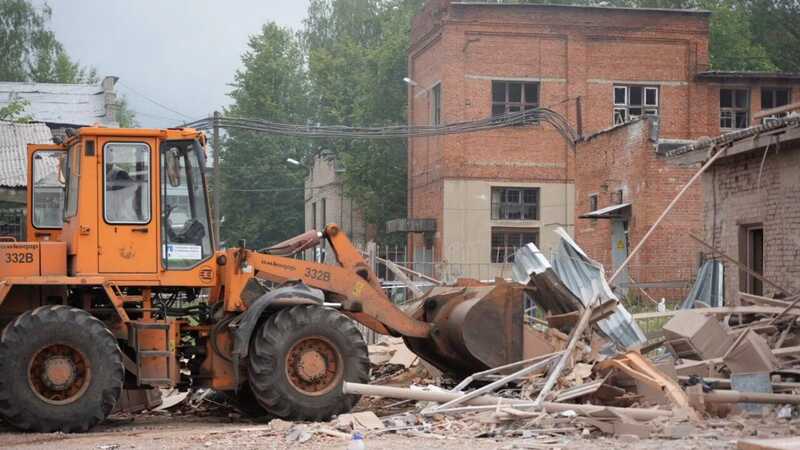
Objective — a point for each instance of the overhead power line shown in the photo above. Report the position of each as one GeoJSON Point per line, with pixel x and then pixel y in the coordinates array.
{"type": "Point", "coordinates": [155, 102]}
{"type": "Point", "coordinates": [528, 117]}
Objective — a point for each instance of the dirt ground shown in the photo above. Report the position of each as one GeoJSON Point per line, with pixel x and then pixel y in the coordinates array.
{"type": "Point", "coordinates": [152, 431]}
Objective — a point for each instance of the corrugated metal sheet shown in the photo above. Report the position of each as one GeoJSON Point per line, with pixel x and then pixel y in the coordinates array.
{"type": "Point", "coordinates": [69, 104]}
{"type": "Point", "coordinates": [577, 276]}
{"type": "Point", "coordinates": [14, 138]}
{"type": "Point", "coordinates": [708, 288]}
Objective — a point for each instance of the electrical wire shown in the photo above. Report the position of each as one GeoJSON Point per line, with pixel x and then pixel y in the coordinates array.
{"type": "Point", "coordinates": [126, 86]}
{"type": "Point", "coordinates": [521, 118]}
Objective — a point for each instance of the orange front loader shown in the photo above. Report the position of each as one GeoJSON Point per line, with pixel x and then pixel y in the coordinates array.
{"type": "Point", "coordinates": [118, 287]}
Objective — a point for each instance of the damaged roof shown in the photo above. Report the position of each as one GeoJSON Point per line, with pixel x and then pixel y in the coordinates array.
{"type": "Point", "coordinates": [748, 138]}
{"type": "Point", "coordinates": [589, 7]}
{"type": "Point", "coordinates": [63, 104]}
{"type": "Point", "coordinates": [14, 139]}
{"type": "Point", "coordinates": [747, 75]}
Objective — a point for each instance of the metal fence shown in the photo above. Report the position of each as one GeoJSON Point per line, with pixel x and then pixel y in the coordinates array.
{"type": "Point", "coordinates": [641, 291]}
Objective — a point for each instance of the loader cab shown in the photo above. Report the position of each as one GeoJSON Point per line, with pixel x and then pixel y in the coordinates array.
{"type": "Point", "coordinates": [135, 206]}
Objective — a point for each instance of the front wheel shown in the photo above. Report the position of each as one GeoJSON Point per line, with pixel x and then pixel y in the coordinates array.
{"type": "Point", "coordinates": [299, 360]}
{"type": "Point", "coordinates": [60, 370]}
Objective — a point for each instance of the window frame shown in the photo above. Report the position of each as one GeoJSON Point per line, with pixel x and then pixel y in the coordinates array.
{"type": "Point", "coordinates": [773, 90]}
{"type": "Point", "coordinates": [163, 201]}
{"type": "Point", "coordinates": [594, 202]}
{"type": "Point", "coordinates": [508, 257]}
{"type": "Point", "coordinates": [33, 188]}
{"type": "Point", "coordinates": [735, 109]}
{"type": "Point", "coordinates": [623, 110]}
{"type": "Point", "coordinates": [436, 105]}
{"type": "Point", "coordinates": [522, 104]}
{"type": "Point", "coordinates": [149, 182]}
{"type": "Point", "coordinates": [73, 172]}
{"type": "Point", "coordinates": [521, 190]}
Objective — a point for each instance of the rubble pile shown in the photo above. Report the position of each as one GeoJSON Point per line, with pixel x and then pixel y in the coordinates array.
{"type": "Point", "coordinates": [709, 371]}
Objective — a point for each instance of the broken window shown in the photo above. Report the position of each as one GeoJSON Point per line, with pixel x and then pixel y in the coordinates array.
{"type": "Point", "coordinates": [734, 108]}
{"type": "Point", "coordinates": [314, 215]}
{"type": "Point", "coordinates": [635, 101]}
{"type": "Point", "coordinates": [514, 96]}
{"type": "Point", "coordinates": [593, 202]}
{"type": "Point", "coordinates": [775, 98]}
{"type": "Point", "coordinates": [506, 241]}
{"type": "Point", "coordinates": [323, 213]}
{"type": "Point", "coordinates": [436, 105]}
{"type": "Point", "coordinates": [515, 203]}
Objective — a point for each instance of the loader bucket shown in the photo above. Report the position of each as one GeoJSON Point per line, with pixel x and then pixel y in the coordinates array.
{"type": "Point", "coordinates": [474, 327]}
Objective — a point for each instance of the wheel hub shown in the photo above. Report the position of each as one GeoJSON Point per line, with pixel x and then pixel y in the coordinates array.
{"type": "Point", "coordinates": [311, 367]}
{"type": "Point", "coordinates": [59, 374]}
{"type": "Point", "coordinates": [314, 366]}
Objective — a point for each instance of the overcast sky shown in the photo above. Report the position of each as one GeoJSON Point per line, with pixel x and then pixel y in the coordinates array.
{"type": "Point", "coordinates": [180, 53]}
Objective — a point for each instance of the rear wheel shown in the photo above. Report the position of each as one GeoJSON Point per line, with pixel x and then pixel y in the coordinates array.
{"type": "Point", "coordinates": [299, 359]}
{"type": "Point", "coordinates": [60, 370]}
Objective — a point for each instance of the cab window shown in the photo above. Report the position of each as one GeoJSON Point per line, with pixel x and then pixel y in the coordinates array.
{"type": "Point", "coordinates": [48, 183]}
{"type": "Point", "coordinates": [127, 182]}
{"type": "Point", "coordinates": [186, 235]}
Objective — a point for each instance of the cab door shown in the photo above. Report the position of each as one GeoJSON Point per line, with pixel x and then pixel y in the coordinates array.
{"type": "Point", "coordinates": [45, 205]}
{"type": "Point", "coordinates": [128, 226]}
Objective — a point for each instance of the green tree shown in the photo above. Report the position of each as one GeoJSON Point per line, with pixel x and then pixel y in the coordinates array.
{"type": "Point", "coordinates": [357, 58]}
{"type": "Point", "coordinates": [775, 24]}
{"type": "Point", "coordinates": [262, 196]}
{"type": "Point", "coordinates": [30, 51]}
{"type": "Point", "coordinates": [123, 114]}
{"type": "Point", "coordinates": [14, 111]}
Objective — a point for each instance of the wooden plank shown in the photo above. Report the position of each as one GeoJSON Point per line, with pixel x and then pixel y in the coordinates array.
{"type": "Point", "coordinates": [762, 301]}
{"type": "Point", "coordinates": [721, 311]}
{"type": "Point", "coordinates": [789, 443]}
{"type": "Point", "coordinates": [773, 111]}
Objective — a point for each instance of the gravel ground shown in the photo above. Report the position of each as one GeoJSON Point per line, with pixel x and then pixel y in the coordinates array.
{"type": "Point", "coordinates": [185, 432]}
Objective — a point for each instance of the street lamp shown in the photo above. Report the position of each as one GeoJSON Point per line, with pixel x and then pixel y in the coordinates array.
{"type": "Point", "coordinates": [409, 81]}
{"type": "Point", "coordinates": [293, 162]}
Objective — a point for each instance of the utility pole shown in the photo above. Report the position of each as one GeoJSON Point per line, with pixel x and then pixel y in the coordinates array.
{"type": "Point", "coordinates": [217, 180]}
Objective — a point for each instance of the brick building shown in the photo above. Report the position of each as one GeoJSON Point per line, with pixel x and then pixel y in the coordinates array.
{"type": "Point", "coordinates": [326, 202]}
{"type": "Point", "coordinates": [489, 192]}
{"type": "Point", "coordinates": [751, 196]}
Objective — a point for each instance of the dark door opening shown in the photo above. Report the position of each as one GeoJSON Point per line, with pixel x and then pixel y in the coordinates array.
{"type": "Point", "coordinates": [753, 257]}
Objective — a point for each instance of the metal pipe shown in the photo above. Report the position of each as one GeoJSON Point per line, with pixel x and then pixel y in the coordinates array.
{"type": "Point", "coordinates": [492, 386]}
{"type": "Point", "coordinates": [486, 400]}
{"type": "Point", "coordinates": [750, 397]}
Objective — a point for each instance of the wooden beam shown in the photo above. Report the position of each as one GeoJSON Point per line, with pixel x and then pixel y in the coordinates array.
{"type": "Point", "coordinates": [721, 311]}
{"type": "Point", "coordinates": [779, 110]}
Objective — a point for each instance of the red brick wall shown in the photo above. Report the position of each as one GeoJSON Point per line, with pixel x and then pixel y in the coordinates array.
{"type": "Point", "coordinates": [625, 158]}
{"type": "Point", "coordinates": [572, 51]}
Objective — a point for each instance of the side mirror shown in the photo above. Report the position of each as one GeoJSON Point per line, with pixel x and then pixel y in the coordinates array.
{"type": "Point", "coordinates": [201, 154]}
{"type": "Point", "coordinates": [173, 162]}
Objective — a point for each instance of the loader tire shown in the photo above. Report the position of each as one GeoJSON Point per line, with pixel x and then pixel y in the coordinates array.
{"type": "Point", "coordinates": [299, 359]}
{"type": "Point", "coordinates": [60, 370]}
